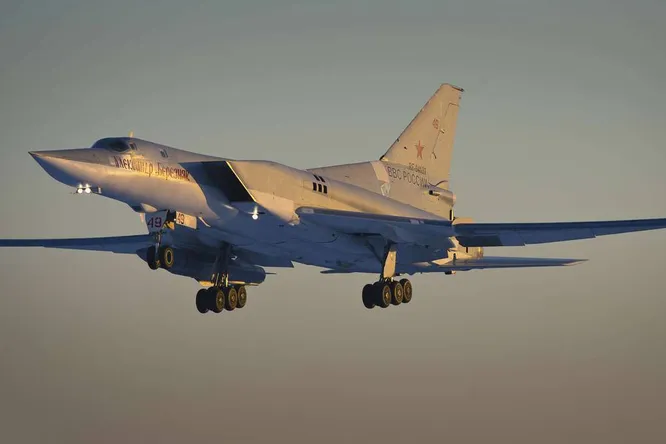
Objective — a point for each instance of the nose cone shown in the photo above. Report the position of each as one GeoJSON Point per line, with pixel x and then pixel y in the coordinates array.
{"type": "Point", "coordinates": [43, 158]}
{"type": "Point", "coordinates": [63, 165]}
{"type": "Point", "coordinates": [38, 154]}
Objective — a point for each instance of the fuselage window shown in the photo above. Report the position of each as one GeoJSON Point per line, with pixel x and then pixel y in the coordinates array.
{"type": "Point", "coordinates": [164, 153]}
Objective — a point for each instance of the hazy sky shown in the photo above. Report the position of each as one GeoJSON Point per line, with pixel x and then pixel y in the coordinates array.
{"type": "Point", "coordinates": [562, 119]}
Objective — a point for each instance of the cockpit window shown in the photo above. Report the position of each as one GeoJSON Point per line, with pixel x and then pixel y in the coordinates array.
{"type": "Point", "coordinates": [117, 145]}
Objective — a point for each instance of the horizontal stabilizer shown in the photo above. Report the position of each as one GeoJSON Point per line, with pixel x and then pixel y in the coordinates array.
{"type": "Point", "coordinates": [519, 234]}
{"type": "Point", "coordinates": [116, 244]}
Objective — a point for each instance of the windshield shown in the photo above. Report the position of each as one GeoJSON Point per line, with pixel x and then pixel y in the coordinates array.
{"type": "Point", "coordinates": [112, 143]}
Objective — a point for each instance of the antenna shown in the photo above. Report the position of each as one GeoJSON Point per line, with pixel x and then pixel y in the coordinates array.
{"type": "Point", "coordinates": [131, 133]}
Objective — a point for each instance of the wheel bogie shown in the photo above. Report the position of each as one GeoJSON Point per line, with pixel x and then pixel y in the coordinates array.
{"type": "Point", "coordinates": [218, 299]}
{"type": "Point", "coordinates": [387, 292]}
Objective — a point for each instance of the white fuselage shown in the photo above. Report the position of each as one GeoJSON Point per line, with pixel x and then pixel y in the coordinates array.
{"type": "Point", "coordinates": [154, 177]}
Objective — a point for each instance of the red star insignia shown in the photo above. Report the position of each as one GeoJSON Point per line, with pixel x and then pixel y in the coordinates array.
{"type": "Point", "coordinates": [419, 150]}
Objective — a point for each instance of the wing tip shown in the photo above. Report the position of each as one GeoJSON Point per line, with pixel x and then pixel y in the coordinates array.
{"type": "Point", "coordinates": [575, 262]}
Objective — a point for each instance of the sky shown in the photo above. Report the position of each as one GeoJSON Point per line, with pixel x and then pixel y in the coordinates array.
{"type": "Point", "coordinates": [562, 119]}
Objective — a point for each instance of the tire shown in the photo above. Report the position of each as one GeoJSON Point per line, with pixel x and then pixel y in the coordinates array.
{"type": "Point", "coordinates": [397, 293]}
{"type": "Point", "coordinates": [230, 299]}
{"type": "Point", "coordinates": [216, 299]}
{"type": "Point", "coordinates": [383, 294]}
{"type": "Point", "coordinates": [406, 290]}
{"type": "Point", "coordinates": [202, 301]}
{"type": "Point", "coordinates": [242, 296]}
{"type": "Point", "coordinates": [167, 257]}
{"type": "Point", "coordinates": [368, 296]}
{"type": "Point", "coordinates": [152, 259]}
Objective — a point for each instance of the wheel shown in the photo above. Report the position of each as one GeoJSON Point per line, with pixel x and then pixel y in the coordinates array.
{"type": "Point", "coordinates": [167, 257]}
{"type": "Point", "coordinates": [201, 301]}
{"type": "Point", "coordinates": [216, 299]}
{"type": "Point", "coordinates": [406, 290]}
{"type": "Point", "coordinates": [230, 298]}
{"type": "Point", "coordinates": [368, 296]}
{"type": "Point", "coordinates": [397, 293]}
{"type": "Point", "coordinates": [383, 294]}
{"type": "Point", "coordinates": [152, 259]}
{"type": "Point", "coordinates": [242, 296]}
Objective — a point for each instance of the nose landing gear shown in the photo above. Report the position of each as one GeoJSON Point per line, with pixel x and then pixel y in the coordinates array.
{"type": "Point", "coordinates": [160, 257]}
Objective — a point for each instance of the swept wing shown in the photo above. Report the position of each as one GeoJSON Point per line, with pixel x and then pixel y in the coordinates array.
{"type": "Point", "coordinates": [519, 234]}
{"type": "Point", "coordinates": [419, 230]}
{"type": "Point", "coordinates": [114, 244]}
{"type": "Point", "coordinates": [476, 264]}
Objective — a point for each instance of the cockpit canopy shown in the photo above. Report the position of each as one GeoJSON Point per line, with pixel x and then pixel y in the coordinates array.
{"type": "Point", "coordinates": [117, 144]}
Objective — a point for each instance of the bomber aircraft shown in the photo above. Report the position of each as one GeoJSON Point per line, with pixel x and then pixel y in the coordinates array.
{"type": "Point", "coordinates": [223, 221]}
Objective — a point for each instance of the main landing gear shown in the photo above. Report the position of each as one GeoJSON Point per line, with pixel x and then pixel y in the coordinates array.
{"type": "Point", "coordinates": [387, 291]}
{"type": "Point", "coordinates": [217, 299]}
{"type": "Point", "coordinates": [222, 295]}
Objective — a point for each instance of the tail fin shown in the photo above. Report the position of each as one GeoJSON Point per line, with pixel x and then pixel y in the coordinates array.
{"type": "Point", "coordinates": [427, 142]}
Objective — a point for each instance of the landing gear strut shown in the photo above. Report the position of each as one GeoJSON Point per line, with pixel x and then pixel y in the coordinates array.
{"type": "Point", "coordinates": [222, 295]}
{"type": "Point", "coordinates": [387, 291]}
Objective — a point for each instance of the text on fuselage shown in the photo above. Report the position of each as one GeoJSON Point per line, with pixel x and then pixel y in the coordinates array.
{"type": "Point", "coordinates": [408, 175]}
{"type": "Point", "coordinates": [150, 168]}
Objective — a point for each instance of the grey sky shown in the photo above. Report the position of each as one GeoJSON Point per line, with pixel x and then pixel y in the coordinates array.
{"type": "Point", "coordinates": [562, 119]}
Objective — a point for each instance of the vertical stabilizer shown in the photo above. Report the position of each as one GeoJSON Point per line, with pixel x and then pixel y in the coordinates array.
{"type": "Point", "coordinates": [427, 142]}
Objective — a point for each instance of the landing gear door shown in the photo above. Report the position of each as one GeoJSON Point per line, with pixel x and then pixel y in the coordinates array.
{"type": "Point", "coordinates": [185, 220]}
{"type": "Point", "coordinates": [161, 220]}
{"type": "Point", "coordinates": [155, 222]}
